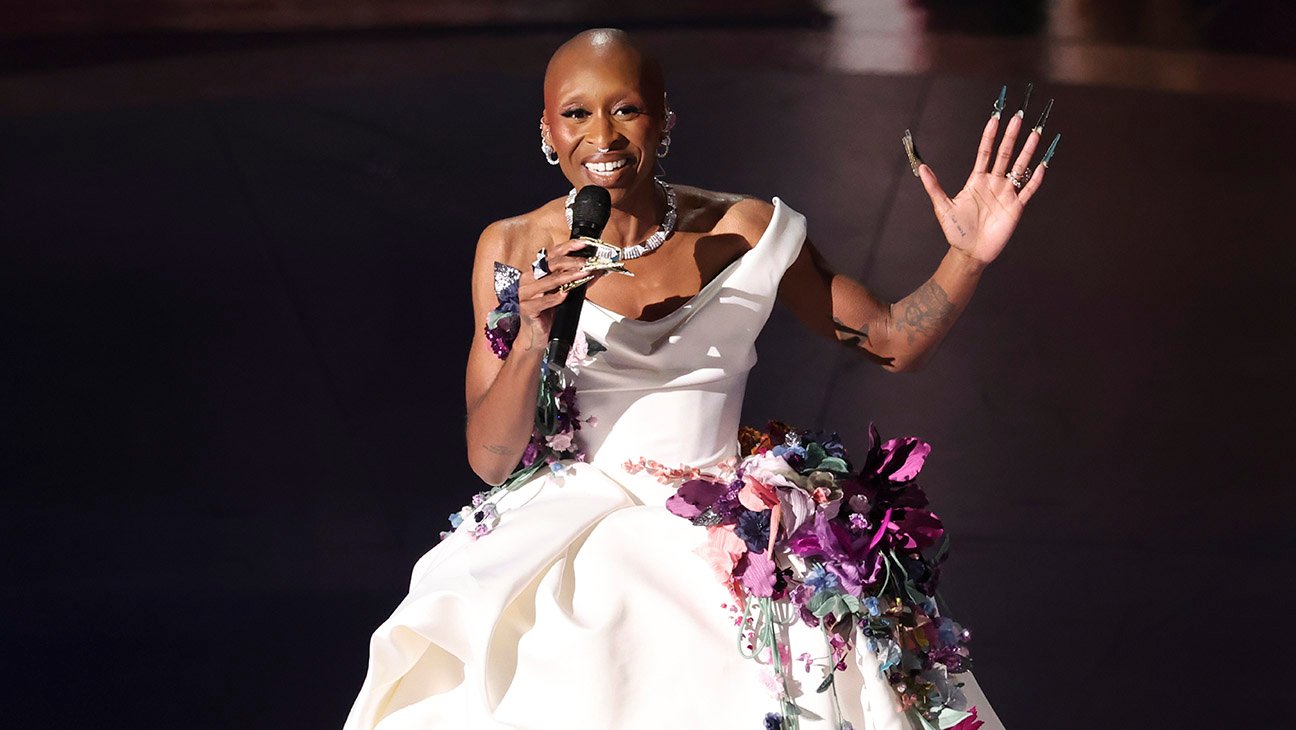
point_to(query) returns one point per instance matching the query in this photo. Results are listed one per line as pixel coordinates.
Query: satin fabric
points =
(587, 606)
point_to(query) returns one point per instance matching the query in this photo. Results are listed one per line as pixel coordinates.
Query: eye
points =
(575, 113)
(629, 111)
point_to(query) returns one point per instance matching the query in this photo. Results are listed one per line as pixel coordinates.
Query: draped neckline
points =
(693, 301)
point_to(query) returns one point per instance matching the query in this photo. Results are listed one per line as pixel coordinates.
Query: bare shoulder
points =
(716, 213)
(514, 241)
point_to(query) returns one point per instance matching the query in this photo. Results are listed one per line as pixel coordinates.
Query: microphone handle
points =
(566, 318)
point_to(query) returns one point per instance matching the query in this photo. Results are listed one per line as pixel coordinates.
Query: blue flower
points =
(773, 721)
(873, 606)
(788, 453)
(754, 529)
(821, 579)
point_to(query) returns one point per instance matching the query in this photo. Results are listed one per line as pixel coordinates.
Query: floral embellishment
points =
(503, 321)
(553, 445)
(480, 519)
(582, 352)
(793, 528)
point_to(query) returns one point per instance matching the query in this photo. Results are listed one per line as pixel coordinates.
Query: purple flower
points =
(501, 333)
(773, 721)
(695, 496)
(759, 575)
(851, 559)
(532, 451)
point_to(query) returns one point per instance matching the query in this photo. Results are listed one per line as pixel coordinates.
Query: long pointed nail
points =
(1052, 148)
(912, 152)
(1021, 110)
(999, 103)
(1039, 126)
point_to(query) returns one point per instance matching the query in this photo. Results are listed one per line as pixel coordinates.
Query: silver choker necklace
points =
(655, 240)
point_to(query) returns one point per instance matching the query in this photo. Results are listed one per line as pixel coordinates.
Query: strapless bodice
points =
(671, 390)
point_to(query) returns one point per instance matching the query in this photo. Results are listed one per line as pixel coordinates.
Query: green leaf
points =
(920, 721)
(851, 602)
(814, 456)
(833, 464)
(949, 717)
(943, 549)
(826, 683)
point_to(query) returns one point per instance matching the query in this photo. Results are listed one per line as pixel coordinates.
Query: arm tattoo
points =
(924, 312)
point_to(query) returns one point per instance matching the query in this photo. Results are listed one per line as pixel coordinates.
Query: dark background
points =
(234, 299)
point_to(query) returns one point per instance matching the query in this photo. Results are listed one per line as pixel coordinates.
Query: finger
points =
(1028, 151)
(533, 307)
(566, 247)
(1006, 146)
(538, 287)
(940, 201)
(987, 145)
(1028, 190)
(566, 277)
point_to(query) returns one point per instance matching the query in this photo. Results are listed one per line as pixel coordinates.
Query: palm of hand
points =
(980, 219)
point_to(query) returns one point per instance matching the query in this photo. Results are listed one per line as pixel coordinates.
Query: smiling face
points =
(604, 112)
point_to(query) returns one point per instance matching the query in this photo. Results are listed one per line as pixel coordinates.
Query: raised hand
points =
(980, 219)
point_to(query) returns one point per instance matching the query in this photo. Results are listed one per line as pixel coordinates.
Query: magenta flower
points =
(969, 723)
(897, 460)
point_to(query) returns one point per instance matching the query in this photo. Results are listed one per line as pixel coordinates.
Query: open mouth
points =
(608, 167)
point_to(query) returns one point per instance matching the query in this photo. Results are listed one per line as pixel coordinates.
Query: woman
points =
(592, 604)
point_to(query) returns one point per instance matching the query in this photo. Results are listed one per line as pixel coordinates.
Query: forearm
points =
(912, 328)
(502, 420)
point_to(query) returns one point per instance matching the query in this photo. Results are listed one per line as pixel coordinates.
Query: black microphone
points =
(590, 212)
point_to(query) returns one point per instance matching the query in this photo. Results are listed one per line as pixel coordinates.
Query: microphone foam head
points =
(591, 209)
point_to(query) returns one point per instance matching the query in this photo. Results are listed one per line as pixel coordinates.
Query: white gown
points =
(587, 607)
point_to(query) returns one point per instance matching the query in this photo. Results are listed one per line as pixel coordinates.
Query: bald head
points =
(606, 47)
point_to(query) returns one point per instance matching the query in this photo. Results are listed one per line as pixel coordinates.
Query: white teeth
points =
(607, 166)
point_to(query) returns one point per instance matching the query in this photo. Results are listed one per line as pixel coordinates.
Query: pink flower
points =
(561, 441)
(773, 684)
(579, 352)
(756, 496)
(722, 550)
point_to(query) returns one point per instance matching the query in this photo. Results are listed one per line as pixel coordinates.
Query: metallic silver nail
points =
(1039, 126)
(912, 152)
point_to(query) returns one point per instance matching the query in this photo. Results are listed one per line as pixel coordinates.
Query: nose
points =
(604, 134)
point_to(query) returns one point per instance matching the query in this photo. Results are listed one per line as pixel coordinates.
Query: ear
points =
(670, 120)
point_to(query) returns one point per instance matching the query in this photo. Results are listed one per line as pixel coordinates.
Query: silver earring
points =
(551, 155)
(663, 148)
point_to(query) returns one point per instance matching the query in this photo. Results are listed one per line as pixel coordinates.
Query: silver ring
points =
(1018, 178)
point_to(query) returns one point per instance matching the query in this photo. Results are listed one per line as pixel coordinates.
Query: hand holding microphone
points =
(551, 294)
(590, 212)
